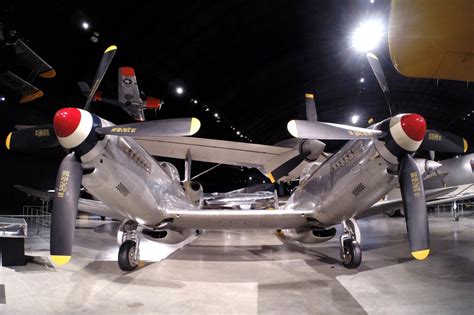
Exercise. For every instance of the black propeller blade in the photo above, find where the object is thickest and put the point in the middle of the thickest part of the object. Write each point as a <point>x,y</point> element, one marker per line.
<point>33,138</point>
<point>414,202</point>
<point>99,75</point>
<point>443,142</point>
<point>379,75</point>
<point>154,128</point>
<point>63,218</point>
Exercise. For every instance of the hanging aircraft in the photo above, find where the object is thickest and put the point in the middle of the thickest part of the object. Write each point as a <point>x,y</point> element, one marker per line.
<point>20,65</point>
<point>115,165</point>
<point>129,98</point>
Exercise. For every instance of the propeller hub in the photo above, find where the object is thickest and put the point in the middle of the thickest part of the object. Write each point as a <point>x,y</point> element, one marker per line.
<point>72,126</point>
<point>408,131</point>
<point>414,126</point>
<point>66,121</point>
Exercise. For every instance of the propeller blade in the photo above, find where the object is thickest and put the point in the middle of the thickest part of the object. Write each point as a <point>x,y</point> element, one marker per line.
<point>327,131</point>
<point>154,128</point>
<point>377,69</point>
<point>286,167</point>
<point>311,113</point>
<point>33,138</point>
<point>63,217</point>
<point>443,142</point>
<point>414,203</point>
<point>99,75</point>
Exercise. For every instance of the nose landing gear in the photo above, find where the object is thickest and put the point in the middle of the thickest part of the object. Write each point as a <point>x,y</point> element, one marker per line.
<point>351,254</point>
<point>129,251</point>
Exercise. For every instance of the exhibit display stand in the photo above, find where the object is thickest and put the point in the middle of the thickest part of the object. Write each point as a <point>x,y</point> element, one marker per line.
<point>13,232</point>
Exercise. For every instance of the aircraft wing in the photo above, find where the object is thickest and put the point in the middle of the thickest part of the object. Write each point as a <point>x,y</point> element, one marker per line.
<point>27,57</point>
<point>266,158</point>
<point>86,205</point>
<point>394,204</point>
<point>13,82</point>
<point>462,192</point>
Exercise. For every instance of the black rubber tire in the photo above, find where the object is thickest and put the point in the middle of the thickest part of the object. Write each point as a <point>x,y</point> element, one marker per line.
<point>124,260</point>
<point>351,254</point>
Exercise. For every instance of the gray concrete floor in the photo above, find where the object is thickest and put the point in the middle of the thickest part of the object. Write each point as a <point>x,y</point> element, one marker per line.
<point>247,272</point>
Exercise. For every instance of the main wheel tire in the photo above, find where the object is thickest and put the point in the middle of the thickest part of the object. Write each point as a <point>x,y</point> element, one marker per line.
<point>351,254</point>
<point>126,256</point>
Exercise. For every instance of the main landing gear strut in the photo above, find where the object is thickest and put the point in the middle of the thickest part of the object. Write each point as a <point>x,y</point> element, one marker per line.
<point>351,254</point>
<point>129,251</point>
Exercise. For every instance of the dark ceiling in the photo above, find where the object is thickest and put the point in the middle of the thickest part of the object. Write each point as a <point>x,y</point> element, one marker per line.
<point>249,61</point>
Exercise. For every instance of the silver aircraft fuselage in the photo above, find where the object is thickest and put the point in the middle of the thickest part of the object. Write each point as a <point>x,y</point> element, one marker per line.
<point>345,185</point>
<point>125,177</point>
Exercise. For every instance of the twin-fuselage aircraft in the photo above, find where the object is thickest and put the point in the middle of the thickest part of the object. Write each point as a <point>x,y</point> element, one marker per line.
<point>113,165</point>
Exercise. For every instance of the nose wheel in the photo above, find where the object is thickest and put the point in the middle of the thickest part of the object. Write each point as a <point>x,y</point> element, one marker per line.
<point>351,254</point>
<point>129,251</point>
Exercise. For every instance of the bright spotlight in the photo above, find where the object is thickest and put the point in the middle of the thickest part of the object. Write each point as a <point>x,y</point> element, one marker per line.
<point>195,101</point>
<point>361,80</point>
<point>85,25</point>
<point>367,36</point>
<point>216,115</point>
<point>2,98</point>
<point>179,90</point>
<point>355,118</point>
<point>372,1</point>
<point>238,132</point>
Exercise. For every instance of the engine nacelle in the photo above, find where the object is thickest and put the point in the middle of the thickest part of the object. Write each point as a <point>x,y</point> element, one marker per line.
<point>194,191</point>
<point>310,147</point>
<point>169,236</point>
<point>314,148</point>
<point>306,237</point>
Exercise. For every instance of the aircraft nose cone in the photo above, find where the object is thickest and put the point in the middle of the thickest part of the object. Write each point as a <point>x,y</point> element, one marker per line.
<point>414,126</point>
<point>66,121</point>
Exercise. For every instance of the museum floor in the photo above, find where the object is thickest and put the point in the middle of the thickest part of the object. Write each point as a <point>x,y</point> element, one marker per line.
<point>244,272</point>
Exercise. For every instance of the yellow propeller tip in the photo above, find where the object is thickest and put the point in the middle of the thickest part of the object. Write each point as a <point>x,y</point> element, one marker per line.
<point>270,176</point>
<point>309,95</point>
<point>466,146</point>
<point>60,260</point>
<point>113,47</point>
<point>7,142</point>
<point>421,254</point>
<point>195,126</point>
<point>292,128</point>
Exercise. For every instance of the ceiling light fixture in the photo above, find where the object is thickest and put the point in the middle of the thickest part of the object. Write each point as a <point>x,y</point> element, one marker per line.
<point>85,25</point>
<point>355,118</point>
<point>179,90</point>
<point>367,36</point>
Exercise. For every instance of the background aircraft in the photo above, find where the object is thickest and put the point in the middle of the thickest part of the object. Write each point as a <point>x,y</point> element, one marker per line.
<point>129,96</point>
<point>20,65</point>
